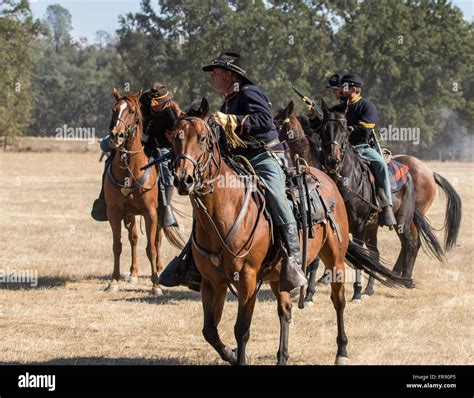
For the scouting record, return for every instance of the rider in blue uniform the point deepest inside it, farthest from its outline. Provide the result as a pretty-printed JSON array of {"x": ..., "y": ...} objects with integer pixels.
[
  {"x": 362, "y": 116},
  {"x": 245, "y": 113}
]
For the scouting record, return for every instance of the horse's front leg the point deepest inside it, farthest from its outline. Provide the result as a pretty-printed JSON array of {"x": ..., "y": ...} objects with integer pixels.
[
  {"x": 247, "y": 296},
  {"x": 213, "y": 295},
  {"x": 131, "y": 226},
  {"x": 115, "y": 221},
  {"x": 159, "y": 259},
  {"x": 151, "y": 224}
]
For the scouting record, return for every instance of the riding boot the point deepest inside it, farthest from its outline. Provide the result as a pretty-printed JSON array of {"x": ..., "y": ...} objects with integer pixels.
[
  {"x": 386, "y": 216},
  {"x": 168, "y": 218},
  {"x": 99, "y": 208},
  {"x": 291, "y": 275},
  {"x": 182, "y": 271}
]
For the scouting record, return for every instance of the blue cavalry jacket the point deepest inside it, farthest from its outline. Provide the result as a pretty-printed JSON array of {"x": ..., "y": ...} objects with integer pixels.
[
  {"x": 254, "y": 118},
  {"x": 362, "y": 115}
]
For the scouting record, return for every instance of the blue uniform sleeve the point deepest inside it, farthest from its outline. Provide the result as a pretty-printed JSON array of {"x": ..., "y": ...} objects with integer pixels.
[
  {"x": 257, "y": 117},
  {"x": 366, "y": 120}
]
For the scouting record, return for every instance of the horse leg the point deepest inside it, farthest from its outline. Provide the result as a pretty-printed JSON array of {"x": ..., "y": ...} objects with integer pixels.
[
  {"x": 151, "y": 227},
  {"x": 159, "y": 260},
  {"x": 411, "y": 244},
  {"x": 213, "y": 299},
  {"x": 311, "y": 289},
  {"x": 115, "y": 221},
  {"x": 333, "y": 257},
  {"x": 358, "y": 237},
  {"x": 339, "y": 301},
  {"x": 371, "y": 243},
  {"x": 131, "y": 226},
  {"x": 247, "y": 297},
  {"x": 284, "y": 313}
]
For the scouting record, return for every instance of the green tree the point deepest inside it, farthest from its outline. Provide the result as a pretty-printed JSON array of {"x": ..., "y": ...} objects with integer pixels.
[
  {"x": 410, "y": 55},
  {"x": 18, "y": 38},
  {"x": 58, "y": 19}
]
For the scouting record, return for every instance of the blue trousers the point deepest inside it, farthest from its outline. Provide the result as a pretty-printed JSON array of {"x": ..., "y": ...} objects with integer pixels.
[
  {"x": 378, "y": 167},
  {"x": 271, "y": 173}
]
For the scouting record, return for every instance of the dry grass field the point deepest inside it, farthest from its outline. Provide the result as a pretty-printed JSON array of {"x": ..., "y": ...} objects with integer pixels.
[{"x": 67, "y": 318}]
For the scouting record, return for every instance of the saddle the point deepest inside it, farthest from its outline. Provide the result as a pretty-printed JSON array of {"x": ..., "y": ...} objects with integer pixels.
[{"x": 398, "y": 173}]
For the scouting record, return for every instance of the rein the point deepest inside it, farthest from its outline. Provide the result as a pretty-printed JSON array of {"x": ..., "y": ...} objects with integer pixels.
[
  {"x": 199, "y": 172},
  {"x": 340, "y": 163},
  {"x": 130, "y": 131}
]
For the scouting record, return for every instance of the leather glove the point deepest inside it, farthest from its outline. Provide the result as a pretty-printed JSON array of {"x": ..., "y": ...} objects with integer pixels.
[{"x": 227, "y": 122}]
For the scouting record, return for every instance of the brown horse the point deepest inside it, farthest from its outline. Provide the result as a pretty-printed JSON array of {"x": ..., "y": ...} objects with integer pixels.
[
  {"x": 425, "y": 183},
  {"x": 129, "y": 191},
  {"x": 232, "y": 239}
]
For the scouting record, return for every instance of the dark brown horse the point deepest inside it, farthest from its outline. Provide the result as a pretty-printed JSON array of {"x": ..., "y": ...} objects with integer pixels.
[
  {"x": 129, "y": 191},
  {"x": 424, "y": 181},
  {"x": 231, "y": 239}
]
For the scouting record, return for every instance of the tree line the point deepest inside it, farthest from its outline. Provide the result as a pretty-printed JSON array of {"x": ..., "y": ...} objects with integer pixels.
[{"x": 415, "y": 57}]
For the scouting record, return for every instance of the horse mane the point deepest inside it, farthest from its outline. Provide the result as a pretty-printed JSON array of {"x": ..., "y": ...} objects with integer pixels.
[{"x": 304, "y": 121}]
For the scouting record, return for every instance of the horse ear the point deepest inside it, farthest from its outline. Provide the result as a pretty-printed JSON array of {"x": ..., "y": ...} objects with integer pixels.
[
  {"x": 324, "y": 107},
  {"x": 116, "y": 94},
  {"x": 289, "y": 109},
  {"x": 204, "y": 108}
]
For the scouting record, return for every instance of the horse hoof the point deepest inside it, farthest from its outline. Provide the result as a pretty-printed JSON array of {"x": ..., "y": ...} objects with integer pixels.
[
  {"x": 308, "y": 304},
  {"x": 156, "y": 291},
  {"x": 365, "y": 296},
  {"x": 133, "y": 280},
  {"x": 341, "y": 361},
  {"x": 112, "y": 288},
  {"x": 356, "y": 301}
]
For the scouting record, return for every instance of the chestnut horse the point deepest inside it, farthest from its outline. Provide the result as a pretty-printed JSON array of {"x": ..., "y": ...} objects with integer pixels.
[
  {"x": 231, "y": 239},
  {"x": 129, "y": 191},
  {"x": 425, "y": 183}
]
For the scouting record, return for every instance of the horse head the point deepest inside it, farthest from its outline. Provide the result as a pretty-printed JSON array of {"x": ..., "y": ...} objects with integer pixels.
[
  {"x": 193, "y": 149},
  {"x": 126, "y": 120},
  {"x": 334, "y": 137}
]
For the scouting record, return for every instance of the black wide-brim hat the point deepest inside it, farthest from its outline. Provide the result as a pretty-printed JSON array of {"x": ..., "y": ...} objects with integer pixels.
[{"x": 232, "y": 62}]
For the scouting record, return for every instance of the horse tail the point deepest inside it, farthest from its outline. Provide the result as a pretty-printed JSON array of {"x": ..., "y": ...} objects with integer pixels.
[
  {"x": 430, "y": 242},
  {"x": 360, "y": 258},
  {"x": 452, "y": 219},
  {"x": 174, "y": 236}
]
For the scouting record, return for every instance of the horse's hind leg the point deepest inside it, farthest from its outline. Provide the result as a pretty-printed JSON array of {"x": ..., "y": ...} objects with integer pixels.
[
  {"x": 334, "y": 258},
  {"x": 131, "y": 226},
  {"x": 284, "y": 313},
  {"x": 115, "y": 221},
  {"x": 411, "y": 244},
  {"x": 213, "y": 299},
  {"x": 359, "y": 237},
  {"x": 371, "y": 243}
]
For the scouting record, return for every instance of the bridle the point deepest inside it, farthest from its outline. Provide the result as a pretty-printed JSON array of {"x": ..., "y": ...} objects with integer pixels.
[
  {"x": 342, "y": 146},
  {"x": 201, "y": 164},
  {"x": 130, "y": 131},
  {"x": 286, "y": 123}
]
